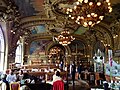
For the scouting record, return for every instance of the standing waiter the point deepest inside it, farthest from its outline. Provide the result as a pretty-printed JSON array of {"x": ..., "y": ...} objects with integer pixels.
[{"x": 73, "y": 71}]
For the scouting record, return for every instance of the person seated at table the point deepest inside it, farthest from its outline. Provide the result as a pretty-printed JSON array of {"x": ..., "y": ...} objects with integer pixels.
[
  {"x": 25, "y": 79},
  {"x": 11, "y": 77},
  {"x": 56, "y": 77},
  {"x": 20, "y": 75}
]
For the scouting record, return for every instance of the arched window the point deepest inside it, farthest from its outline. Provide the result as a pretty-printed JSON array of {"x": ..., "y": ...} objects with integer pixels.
[{"x": 2, "y": 49}]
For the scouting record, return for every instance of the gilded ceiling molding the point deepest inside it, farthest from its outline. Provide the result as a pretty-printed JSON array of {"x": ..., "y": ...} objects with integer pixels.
[
  {"x": 51, "y": 11},
  {"x": 33, "y": 21},
  {"x": 34, "y": 18},
  {"x": 41, "y": 36},
  {"x": 104, "y": 24},
  {"x": 56, "y": 3},
  {"x": 105, "y": 32},
  {"x": 8, "y": 11}
]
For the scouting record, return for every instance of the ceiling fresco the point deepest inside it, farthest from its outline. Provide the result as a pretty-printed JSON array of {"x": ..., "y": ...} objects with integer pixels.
[
  {"x": 37, "y": 7},
  {"x": 25, "y": 7},
  {"x": 81, "y": 30},
  {"x": 38, "y": 29},
  {"x": 30, "y": 7}
]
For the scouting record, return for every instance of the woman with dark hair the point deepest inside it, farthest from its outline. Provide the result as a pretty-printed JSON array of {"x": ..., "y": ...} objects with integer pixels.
[{"x": 20, "y": 75}]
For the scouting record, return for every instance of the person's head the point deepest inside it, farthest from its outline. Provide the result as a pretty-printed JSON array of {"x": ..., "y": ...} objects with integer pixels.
[
  {"x": 58, "y": 73},
  {"x": 11, "y": 72},
  {"x": 73, "y": 63},
  {"x": 7, "y": 71},
  {"x": 21, "y": 72}
]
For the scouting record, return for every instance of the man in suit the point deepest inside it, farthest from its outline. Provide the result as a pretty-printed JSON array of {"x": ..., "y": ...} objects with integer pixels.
[{"x": 73, "y": 71}]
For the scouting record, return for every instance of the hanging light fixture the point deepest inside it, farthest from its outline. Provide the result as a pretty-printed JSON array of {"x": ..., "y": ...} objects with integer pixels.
[
  {"x": 54, "y": 50},
  {"x": 88, "y": 12},
  {"x": 65, "y": 38}
]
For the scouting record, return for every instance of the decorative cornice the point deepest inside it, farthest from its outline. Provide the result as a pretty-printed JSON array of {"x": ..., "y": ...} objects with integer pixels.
[{"x": 34, "y": 20}]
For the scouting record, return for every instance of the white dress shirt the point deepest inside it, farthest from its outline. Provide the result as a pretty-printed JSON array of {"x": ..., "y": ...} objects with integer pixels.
[{"x": 11, "y": 78}]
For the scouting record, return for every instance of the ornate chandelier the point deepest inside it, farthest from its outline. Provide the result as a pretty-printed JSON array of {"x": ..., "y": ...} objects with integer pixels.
[
  {"x": 65, "y": 38},
  {"x": 88, "y": 12},
  {"x": 54, "y": 52}
]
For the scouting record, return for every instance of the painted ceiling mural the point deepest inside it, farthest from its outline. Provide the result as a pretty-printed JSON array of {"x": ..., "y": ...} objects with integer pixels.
[
  {"x": 26, "y": 9},
  {"x": 81, "y": 30},
  {"x": 38, "y": 29},
  {"x": 30, "y": 7}
]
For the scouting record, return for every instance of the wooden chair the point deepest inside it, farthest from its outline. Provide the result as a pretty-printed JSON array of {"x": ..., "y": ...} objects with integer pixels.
[
  {"x": 58, "y": 85},
  {"x": 14, "y": 86}
]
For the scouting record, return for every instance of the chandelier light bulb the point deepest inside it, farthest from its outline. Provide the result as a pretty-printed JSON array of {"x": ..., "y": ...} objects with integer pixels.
[
  {"x": 70, "y": 10},
  {"x": 85, "y": 24},
  {"x": 90, "y": 3},
  {"x": 101, "y": 17},
  {"x": 110, "y": 9},
  {"x": 88, "y": 15},
  {"x": 82, "y": 17},
  {"x": 78, "y": 17},
  {"x": 92, "y": 14},
  {"x": 69, "y": 42},
  {"x": 72, "y": 17},
  {"x": 69, "y": 15},
  {"x": 67, "y": 12},
  {"x": 60, "y": 42},
  {"x": 75, "y": 7},
  {"x": 78, "y": 22},
  {"x": 98, "y": 3},
  {"x": 85, "y": 1},
  {"x": 80, "y": 1},
  {"x": 107, "y": 1},
  {"x": 95, "y": 15},
  {"x": 98, "y": 22},
  {"x": 90, "y": 23},
  {"x": 77, "y": 3}
]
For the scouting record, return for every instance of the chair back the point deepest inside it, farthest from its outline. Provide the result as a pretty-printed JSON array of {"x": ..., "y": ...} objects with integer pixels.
[
  {"x": 14, "y": 86},
  {"x": 58, "y": 85}
]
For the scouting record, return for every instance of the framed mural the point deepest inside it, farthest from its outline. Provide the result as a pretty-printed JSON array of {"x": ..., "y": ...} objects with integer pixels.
[{"x": 37, "y": 50}]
